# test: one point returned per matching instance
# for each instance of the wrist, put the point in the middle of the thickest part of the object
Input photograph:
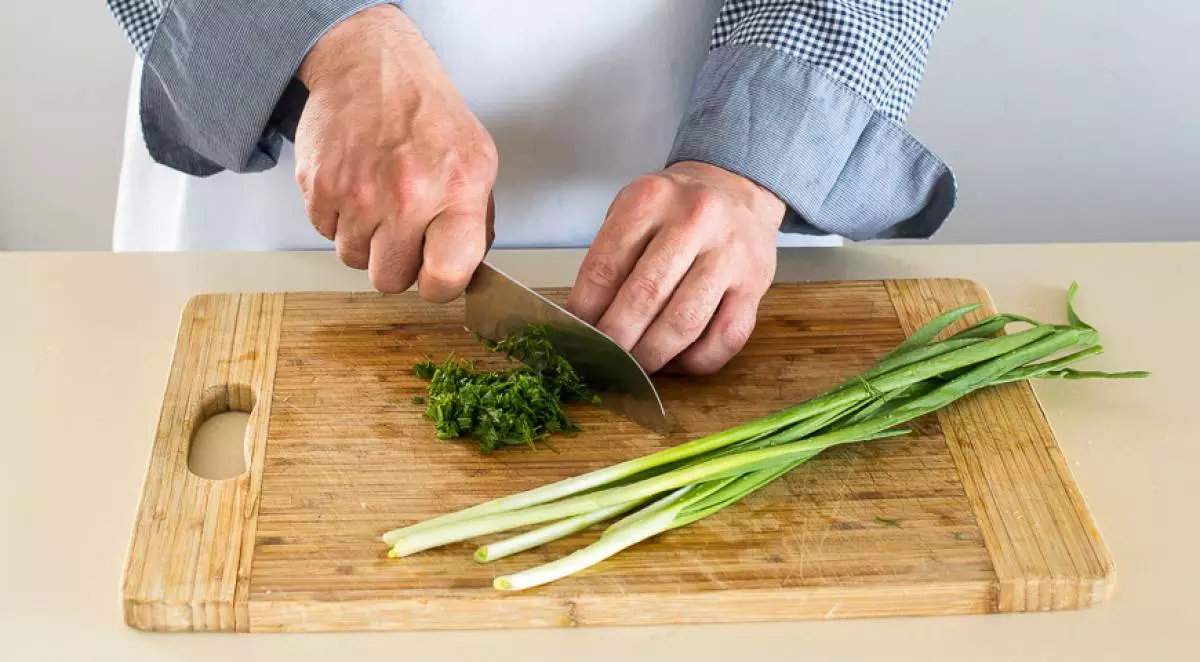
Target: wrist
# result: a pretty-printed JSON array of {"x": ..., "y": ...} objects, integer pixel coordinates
[
  {"x": 344, "y": 45},
  {"x": 761, "y": 201}
]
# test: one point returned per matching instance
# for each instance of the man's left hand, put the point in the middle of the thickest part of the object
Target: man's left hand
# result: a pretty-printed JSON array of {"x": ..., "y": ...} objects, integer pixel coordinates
[{"x": 676, "y": 272}]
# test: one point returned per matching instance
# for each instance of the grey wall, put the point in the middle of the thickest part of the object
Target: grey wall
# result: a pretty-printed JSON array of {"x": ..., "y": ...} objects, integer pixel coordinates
[
  {"x": 63, "y": 83},
  {"x": 1075, "y": 120},
  {"x": 1069, "y": 120}
]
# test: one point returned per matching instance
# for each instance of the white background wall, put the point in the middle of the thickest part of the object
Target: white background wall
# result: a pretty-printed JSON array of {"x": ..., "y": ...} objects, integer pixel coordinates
[
  {"x": 64, "y": 72},
  {"x": 1075, "y": 120},
  {"x": 1068, "y": 120}
]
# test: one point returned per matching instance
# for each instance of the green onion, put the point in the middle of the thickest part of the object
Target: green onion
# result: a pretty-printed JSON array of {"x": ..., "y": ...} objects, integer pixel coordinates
[
  {"x": 677, "y": 486},
  {"x": 497, "y": 408}
]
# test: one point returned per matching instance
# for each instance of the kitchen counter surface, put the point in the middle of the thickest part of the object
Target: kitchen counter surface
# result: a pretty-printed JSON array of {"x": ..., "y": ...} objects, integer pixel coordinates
[{"x": 87, "y": 340}]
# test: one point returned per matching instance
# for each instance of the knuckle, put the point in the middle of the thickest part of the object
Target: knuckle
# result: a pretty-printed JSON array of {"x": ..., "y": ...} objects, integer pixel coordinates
[
  {"x": 655, "y": 184},
  {"x": 644, "y": 290},
  {"x": 409, "y": 193},
  {"x": 361, "y": 195},
  {"x": 758, "y": 269},
  {"x": 446, "y": 275},
  {"x": 484, "y": 156},
  {"x": 736, "y": 333},
  {"x": 351, "y": 257},
  {"x": 434, "y": 291},
  {"x": 704, "y": 205},
  {"x": 655, "y": 356},
  {"x": 389, "y": 274},
  {"x": 601, "y": 272},
  {"x": 324, "y": 225},
  {"x": 688, "y": 320},
  {"x": 303, "y": 180},
  {"x": 689, "y": 226},
  {"x": 694, "y": 315},
  {"x": 617, "y": 333},
  {"x": 647, "y": 190},
  {"x": 324, "y": 184}
]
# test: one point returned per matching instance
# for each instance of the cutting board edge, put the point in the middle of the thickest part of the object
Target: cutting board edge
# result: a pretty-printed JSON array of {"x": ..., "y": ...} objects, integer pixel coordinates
[
  {"x": 1062, "y": 579},
  {"x": 645, "y": 609},
  {"x": 195, "y": 549}
]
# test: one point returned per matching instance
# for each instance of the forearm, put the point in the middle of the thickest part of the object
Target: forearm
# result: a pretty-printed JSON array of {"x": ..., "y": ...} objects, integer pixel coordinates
[
  {"x": 219, "y": 90},
  {"x": 808, "y": 99}
]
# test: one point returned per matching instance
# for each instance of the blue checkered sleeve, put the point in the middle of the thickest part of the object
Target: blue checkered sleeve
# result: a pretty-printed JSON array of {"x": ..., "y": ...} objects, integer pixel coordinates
[
  {"x": 137, "y": 19},
  {"x": 877, "y": 48},
  {"x": 809, "y": 99}
]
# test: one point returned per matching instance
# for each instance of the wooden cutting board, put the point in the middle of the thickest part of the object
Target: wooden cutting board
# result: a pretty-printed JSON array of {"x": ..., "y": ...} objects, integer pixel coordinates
[{"x": 976, "y": 512}]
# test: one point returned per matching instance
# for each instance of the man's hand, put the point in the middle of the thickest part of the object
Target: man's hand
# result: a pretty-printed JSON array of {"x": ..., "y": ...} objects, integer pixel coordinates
[
  {"x": 393, "y": 166},
  {"x": 678, "y": 268}
]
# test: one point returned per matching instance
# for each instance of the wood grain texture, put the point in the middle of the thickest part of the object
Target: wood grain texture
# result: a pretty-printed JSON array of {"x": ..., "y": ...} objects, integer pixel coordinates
[
  {"x": 189, "y": 561},
  {"x": 915, "y": 525},
  {"x": 1047, "y": 551}
]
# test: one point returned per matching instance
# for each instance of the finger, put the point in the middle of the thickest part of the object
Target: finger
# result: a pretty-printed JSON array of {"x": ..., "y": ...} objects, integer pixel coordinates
[
  {"x": 644, "y": 294},
  {"x": 395, "y": 256},
  {"x": 686, "y": 315},
  {"x": 322, "y": 211},
  {"x": 455, "y": 243},
  {"x": 399, "y": 242},
  {"x": 627, "y": 229},
  {"x": 725, "y": 336},
  {"x": 610, "y": 259},
  {"x": 352, "y": 240},
  {"x": 325, "y": 222}
]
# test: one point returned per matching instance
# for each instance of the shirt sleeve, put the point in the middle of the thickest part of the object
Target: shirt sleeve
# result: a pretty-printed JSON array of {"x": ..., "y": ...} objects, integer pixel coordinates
[
  {"x": 218, "y": 88},
  {"x": 808, "y": 98}
]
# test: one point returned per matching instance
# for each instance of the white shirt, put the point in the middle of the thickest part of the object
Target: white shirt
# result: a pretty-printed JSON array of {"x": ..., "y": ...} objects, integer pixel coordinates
[{"x": 581, "y": 98}]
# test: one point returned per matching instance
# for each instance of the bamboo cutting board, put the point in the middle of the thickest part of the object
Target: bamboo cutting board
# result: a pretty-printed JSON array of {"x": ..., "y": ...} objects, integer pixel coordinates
[{"x": 976, "y": 512}]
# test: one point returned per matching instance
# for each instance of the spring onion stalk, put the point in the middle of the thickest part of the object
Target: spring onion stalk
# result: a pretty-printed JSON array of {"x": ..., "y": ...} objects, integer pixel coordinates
[
  {"x": 917, "y": 355},
  {"x": 551, "y": 532},
  {"x": 931, "y": 329},
  {"x": 657, "y": 506},
  {"x": 617, "y": 539},
  {"x": 418, "y": 539},
  {"x": 892, "y": 380},
  {"x": 732, "y": 492},
  {"x": 1058, "y": 369},
  {"x": 622, "y": 470},
  {"x": 589, "y": 556},
  {"x": 702, "y": 471},
  {"x": 680, "y": 485},
  {"x": 990, "y": 326}
]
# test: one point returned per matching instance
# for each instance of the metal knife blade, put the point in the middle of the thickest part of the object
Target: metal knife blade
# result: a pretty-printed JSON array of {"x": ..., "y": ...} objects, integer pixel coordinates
[{"x": 498, "y": 305}]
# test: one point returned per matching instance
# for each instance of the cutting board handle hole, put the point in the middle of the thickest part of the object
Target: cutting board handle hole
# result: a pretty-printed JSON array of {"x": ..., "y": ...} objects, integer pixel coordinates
[{"x": 220, "y": 445}]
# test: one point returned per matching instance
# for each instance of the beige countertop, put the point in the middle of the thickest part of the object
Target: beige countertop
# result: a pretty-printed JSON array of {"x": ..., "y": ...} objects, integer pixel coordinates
[{"x": 87, "y": 340}]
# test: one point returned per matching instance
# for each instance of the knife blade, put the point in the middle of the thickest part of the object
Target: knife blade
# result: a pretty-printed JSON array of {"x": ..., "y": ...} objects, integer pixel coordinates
[{"x": 497, "y": 305}]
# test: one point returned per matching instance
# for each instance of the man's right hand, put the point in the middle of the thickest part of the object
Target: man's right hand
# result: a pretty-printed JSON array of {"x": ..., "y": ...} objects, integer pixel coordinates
[{"x": 394, "y": 168}]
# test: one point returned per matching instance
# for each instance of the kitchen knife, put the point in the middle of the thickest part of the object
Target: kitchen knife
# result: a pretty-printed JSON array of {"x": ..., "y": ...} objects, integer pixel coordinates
[{"x": 498, "y": 306}]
